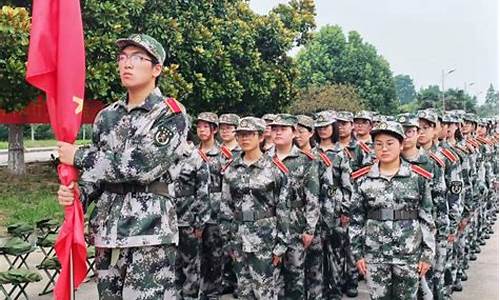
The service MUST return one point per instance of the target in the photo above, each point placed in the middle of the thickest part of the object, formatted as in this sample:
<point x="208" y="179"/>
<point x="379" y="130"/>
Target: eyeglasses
<point x="135" y="59"/>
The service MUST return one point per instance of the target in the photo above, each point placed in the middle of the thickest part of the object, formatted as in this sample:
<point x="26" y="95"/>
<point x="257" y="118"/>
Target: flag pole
<point x="72" y="275"/>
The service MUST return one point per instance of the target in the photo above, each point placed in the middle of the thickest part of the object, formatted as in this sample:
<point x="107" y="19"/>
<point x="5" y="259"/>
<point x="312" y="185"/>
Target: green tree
<point x="334" y="96"/>
<point x="429" y="97"/>
<point x="490" y="106"/>
<point x="331" y="57"/>
<point x="405" y="89"/>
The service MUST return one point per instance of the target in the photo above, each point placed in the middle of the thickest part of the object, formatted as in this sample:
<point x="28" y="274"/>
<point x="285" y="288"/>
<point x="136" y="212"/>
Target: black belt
<point x="159" y="188"/>
<point x="250" y="216"/>
<point x="214" y="189"/>
<point x="385" y="214"/>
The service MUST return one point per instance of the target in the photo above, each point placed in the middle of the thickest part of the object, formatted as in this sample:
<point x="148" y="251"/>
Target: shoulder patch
<point x="224" y="168"/>
<point x="226" y="152"/>
<point x="360" y="172"/>
<point x="203" y="156"/>
<point x="348" y="153"/>
<point x="449" y="155"/>
<point x="482" y="140"/>
<point x="421" y="171"/>
<point x="280" y="165"/>
<point x="325" y="159"/>
<point x="308" y="154"/>
<point x="438" y="160"/>
<point x="173" y="105"/>
<point x="364" y="147"/>
<point x="472" y="143"/>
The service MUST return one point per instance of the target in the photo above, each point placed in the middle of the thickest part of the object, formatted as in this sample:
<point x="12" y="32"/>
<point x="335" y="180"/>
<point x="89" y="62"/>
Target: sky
<point x="422" y="38"/>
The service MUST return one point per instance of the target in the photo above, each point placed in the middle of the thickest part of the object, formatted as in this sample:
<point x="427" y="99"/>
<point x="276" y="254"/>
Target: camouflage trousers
<point x="331" y="271"/>
<point x="392" y="281"/>
<point x="348" y="270"/>
<point x="142" y="273"/>
<point x="292" y="279"/>
<point x="211" y="262"/>
<point x="187" y="264"/>
<point x="435" y="276"/>
<point x="257" y="276"/>
<point x="452" y="255"/>
<point x="314" y="268"/>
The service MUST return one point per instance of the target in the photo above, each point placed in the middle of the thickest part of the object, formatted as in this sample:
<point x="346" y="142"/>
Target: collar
<point x="151" y="100"/>
<point x="404" y="170"/>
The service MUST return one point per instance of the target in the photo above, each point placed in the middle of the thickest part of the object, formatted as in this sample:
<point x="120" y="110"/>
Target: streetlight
<point x="443" y="74"/>
<point x="465" y="91"/>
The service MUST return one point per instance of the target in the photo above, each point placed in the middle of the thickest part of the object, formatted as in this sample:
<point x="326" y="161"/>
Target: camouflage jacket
<point x="136" y="146"/>
<point x="388" y="241"/>
<point x="358" y="153"/>
<point x="258" y="189"/>
<point x="191" y="185"/>
<point x="227" y="154"/>
<point x="438" y="192"/>
<point x="304" y="190"/>
<point x="215" y="163"/>
<point x="335" y="185"/>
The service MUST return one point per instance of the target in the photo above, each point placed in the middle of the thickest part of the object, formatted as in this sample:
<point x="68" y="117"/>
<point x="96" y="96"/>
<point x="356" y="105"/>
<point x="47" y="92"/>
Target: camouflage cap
<point x="390" y="127"/>
<point x="345" y="116"/>
<point x="251" y="124"/>
<point x="268" y="117"/>
<point x="406" y="120"/>
<point x="305" y="121"/>
<point x="428" y="115"/>
<point x="324" y="118"/>
<point x="364" y="115"/>
<point x="209" y="117"/>
<point x="145" y="42"/>
<point x="230" y="119"/>
<point x="284" y="120"/>
<point x="450" y="118"/>
<point x="469" y="117"/>
<point x="482" y="121"/>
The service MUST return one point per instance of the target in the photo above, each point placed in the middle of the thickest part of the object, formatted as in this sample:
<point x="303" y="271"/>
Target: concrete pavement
<point x="31" y="155"/>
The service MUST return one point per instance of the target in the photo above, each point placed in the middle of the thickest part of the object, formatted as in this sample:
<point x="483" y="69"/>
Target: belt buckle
<point x="387" y="214"/>
<point x="247" y="216"/>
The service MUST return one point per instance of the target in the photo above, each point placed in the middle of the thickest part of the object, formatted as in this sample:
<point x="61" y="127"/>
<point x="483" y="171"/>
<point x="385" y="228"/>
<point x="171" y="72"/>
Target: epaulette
<point x="449" y="155"/>
<point x="472" y="143"/>
<point x="421" y="171"/>
<point x="360" y="172"/>
<point x="364" y="147"/>
<point x="173" y="105"/>
<point x="464" y="150"/>
<point x="226" y="152"/>
<point x="224" y="168"/>
<point x="482" y="140"/>
<point x="203" y="156"/>
<point x="438" y="160"/>
<point x="348" y="153"/>
<point x="308" y="154"/>
<point x="280" y="165"/>
<point x="325" y="159"/>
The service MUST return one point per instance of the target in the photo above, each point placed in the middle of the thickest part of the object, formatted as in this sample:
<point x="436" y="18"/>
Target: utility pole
<point x="443" y="75"/>
<point x="465" y="91"/>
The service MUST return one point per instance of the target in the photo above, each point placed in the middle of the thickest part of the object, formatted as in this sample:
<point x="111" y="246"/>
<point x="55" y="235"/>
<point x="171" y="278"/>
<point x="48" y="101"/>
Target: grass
<point x="30" y="197"/>
<point x="40" y="143"/>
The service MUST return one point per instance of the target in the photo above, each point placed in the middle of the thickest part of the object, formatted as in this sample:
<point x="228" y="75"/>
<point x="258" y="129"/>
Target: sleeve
<point x="228" y="227"/>
<point x="89" y="192"/>
<point x="426" y="222"/>
<point x="202" y="204"/>
<point x="144" y="161"/>
<point x="282" y="197"/>
<point x="454" y="198"/>
<point x="312" y="208"/>
<point x="346" y="186"/>
<point x="357" y="224"/>
<point x="440" y="205"/>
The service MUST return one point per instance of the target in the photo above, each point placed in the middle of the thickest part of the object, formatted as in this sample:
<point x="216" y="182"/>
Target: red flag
<point x="56" y="65"/>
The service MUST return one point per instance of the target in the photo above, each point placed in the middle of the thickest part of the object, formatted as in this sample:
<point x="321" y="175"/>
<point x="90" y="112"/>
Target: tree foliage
<point x="432" y="97"/>
<point x="490" y="106"/>
<point x="332" y="57"/>
<point x="15" y="92"/>
<point x="405" y="89"/>
<point x="327" y="97"/>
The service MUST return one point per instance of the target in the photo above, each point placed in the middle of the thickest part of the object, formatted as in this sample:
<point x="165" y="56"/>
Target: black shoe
<point x="352" y="292"/>
<point x="227" y="290"/>
<point x="482" y="243"/>
<point x="473" y="257"/>
<point x="457" y="287"/>
<point x="464" y="277"/>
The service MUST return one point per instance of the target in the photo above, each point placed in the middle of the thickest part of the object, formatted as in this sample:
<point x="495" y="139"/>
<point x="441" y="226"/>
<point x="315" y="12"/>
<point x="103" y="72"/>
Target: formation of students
<point x="283" y="206"/>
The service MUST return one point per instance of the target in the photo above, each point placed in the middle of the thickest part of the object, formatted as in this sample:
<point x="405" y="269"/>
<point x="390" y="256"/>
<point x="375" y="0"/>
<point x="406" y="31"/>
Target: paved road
<point x="31" y="155"/>
<point x="482" y="283"/>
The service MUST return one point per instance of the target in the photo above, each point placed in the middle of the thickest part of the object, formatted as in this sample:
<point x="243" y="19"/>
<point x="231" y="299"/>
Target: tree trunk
<point x="16" y="150"/>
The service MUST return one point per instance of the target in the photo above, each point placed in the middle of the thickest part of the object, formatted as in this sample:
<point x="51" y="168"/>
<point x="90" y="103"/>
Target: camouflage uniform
<point x="335" y="193"/>
<point x="211" y="255"/>
<point x="125" y="171"/>
<point x="392" y="226"/>
<point x="191" y="193"/>
<point x="254" y="219"/>
<point x="304" y="189"/>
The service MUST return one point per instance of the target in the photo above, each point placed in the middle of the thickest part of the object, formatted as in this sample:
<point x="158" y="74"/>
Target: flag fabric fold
<point x="56" y="65"/>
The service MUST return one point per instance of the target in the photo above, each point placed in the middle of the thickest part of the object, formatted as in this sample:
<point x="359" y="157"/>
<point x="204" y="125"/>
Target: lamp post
<point x="443" y="75"/>
<point x="466" y="85"/>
